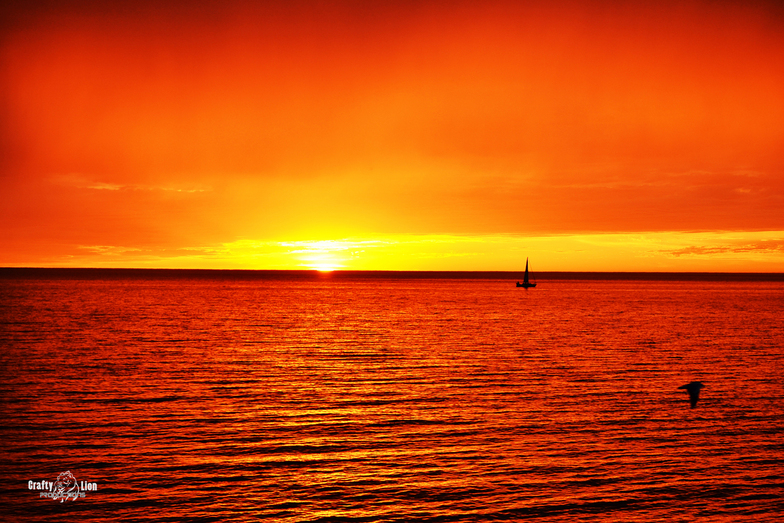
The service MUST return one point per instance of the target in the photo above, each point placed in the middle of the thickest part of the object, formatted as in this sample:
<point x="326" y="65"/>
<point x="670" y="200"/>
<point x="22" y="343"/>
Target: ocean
<point x="305" y="397"/>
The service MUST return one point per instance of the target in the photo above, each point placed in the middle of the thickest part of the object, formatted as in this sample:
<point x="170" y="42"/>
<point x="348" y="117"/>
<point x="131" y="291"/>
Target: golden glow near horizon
<point x="668" y="251"/>
<point x="341" y="135"/>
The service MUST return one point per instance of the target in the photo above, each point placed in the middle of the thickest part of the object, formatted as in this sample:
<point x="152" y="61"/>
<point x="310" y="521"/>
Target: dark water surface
<point x="199" y="399"/>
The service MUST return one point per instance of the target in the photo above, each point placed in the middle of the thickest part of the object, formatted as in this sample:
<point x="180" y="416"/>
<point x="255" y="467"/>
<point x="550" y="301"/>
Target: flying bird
<point x="693" y="389"/>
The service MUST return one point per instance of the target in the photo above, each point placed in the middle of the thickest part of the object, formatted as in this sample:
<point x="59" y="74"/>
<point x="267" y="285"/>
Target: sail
<point x="526" y="283"/>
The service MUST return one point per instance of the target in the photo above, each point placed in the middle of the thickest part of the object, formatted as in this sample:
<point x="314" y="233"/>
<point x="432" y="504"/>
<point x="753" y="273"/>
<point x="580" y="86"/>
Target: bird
<point x="693" y="389"/>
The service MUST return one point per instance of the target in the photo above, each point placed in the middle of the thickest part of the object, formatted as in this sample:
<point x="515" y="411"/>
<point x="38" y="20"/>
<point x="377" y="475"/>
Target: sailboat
<point x="526" y="283"/>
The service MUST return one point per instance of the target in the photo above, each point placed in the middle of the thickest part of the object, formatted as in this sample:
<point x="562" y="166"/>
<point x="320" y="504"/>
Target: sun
<point x="322" y="256"/>
<point x="322" y="263"/>
<point x="325" y="265"/>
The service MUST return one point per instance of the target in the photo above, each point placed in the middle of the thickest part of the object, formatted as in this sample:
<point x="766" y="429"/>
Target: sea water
<point x="389" y="399"/>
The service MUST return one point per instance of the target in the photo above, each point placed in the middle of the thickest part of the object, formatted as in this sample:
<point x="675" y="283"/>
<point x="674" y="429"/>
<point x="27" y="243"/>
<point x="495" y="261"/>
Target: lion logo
<point x="66" y="487"/>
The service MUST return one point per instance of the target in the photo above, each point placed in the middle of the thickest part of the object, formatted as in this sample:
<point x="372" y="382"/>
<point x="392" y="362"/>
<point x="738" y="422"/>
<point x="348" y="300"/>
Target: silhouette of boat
<point x="526" y="283"/>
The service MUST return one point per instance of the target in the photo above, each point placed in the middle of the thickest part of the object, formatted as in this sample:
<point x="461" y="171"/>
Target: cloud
<point x="105" y="186"/>
<point x="108" y="250"/>
<point x="762" y="246"/>
<point x="83" y="182"/>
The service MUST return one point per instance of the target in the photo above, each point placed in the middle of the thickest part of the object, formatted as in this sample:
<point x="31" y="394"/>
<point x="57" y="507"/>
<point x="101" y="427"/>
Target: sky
<point x="393" y="135"/>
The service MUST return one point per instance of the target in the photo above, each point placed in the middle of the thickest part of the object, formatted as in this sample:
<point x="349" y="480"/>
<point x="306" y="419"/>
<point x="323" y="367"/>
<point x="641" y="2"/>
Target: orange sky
<point x="393" y="135"/>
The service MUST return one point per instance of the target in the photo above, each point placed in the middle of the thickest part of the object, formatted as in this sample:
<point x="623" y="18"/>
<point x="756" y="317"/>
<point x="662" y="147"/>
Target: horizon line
<point x="6" y="272"/>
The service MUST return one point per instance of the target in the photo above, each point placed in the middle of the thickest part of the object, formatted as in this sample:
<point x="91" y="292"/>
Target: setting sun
<point x="324" y="256"/>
